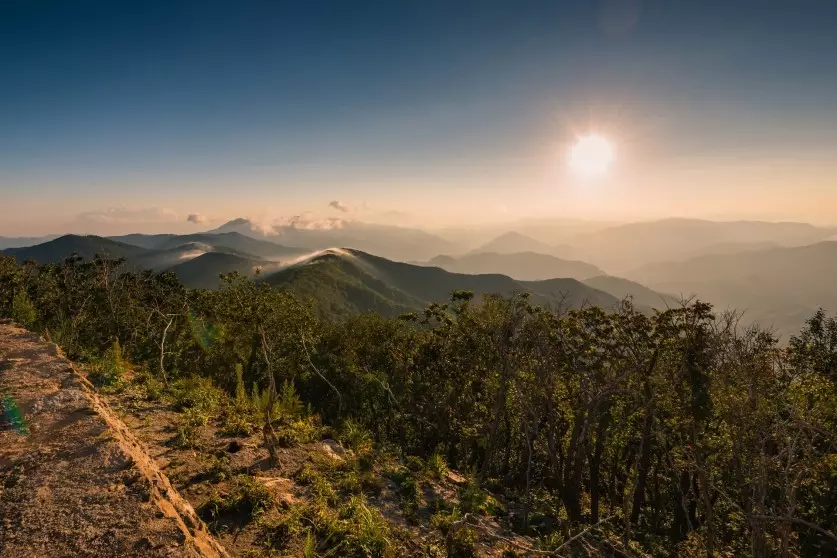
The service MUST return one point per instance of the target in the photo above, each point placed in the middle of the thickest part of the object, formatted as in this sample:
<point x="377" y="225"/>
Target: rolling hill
<point x="389" y="241"/>
<point x="202" y="272"/>
<point x="526" y="266"/>
<point x="226" y="241"/>
<point x="237" y="242"/>
<point x="57" y="250"/>
<point x="342" y="282"/>
<point x="197" y="264"/>
<point x="778" y="286"/>
<point x="514" y="242"/>
<point x="149" y="241"/>
<point x="23" y="241"/>
<point x="620" y="249"/>
<point x="622" y="288"/>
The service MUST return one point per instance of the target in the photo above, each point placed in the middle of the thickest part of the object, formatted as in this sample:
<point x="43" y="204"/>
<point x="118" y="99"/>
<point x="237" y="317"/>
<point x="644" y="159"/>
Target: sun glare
<point x="591" y="155"/>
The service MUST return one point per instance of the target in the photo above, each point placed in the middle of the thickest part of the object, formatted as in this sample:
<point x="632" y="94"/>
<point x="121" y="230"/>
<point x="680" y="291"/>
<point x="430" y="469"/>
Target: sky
<point x="175" y="116"/>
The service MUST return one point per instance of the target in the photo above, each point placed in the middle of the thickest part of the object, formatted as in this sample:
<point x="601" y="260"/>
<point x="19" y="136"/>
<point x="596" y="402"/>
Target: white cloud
<point x="196" y="218"/>
<point x="339" y="206"/>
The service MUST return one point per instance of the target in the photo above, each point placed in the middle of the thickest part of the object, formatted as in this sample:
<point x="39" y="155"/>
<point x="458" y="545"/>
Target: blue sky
<point x="454" y="111"/>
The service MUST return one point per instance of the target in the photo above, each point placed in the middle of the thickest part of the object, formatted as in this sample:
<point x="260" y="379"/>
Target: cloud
<point x="196" y="218"/>
<point x="339" y="206"/>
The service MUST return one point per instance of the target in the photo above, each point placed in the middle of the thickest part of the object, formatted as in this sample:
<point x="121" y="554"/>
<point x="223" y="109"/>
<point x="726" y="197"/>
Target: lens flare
<point x="12" y="416"/>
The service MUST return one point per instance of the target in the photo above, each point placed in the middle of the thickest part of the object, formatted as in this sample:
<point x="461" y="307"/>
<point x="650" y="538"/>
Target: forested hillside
<point x="341" y="282"/>
<point x="586" y="432"/>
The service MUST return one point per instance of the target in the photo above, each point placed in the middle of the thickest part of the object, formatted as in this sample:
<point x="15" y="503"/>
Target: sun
<point x="592" y="155"/>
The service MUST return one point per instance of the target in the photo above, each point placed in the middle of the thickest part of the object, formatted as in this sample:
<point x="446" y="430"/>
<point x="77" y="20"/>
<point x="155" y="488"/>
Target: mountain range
<point x="778" y="273"/>
<point x="527" y="266"/>
<point x="385" y="240"/>
<point x="341" y="282"/>
<point x="777" y="286"/>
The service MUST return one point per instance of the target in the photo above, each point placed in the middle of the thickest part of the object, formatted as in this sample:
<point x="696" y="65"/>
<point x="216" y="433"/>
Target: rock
<point x="334" y="450"/>
<point x="63" y="400"/>
<point x="455" y="478"/>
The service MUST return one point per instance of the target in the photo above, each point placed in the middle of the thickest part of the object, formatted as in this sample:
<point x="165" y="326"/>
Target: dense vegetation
<point x="675" y="433"/>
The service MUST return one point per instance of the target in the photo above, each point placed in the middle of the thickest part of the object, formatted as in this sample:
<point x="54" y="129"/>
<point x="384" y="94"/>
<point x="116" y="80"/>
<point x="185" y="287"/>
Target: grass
<point x="462" y="543"/>
<point x="436" y="466"/>
<point x="196" y="393"/>
<point x="247" y="498"/>
<point x="473" y="499"/>
<point x="354" y="530"/>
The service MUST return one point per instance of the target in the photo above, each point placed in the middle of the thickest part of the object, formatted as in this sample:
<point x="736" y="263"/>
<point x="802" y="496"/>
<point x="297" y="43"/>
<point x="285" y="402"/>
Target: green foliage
<point x="290" y="405"/>
<point x="186" y="436"/>
<point x="297" y="432"/>
<point x="197" y="394"/>
<point x="691" y="430"/>
<point x="245" y="497"/>
<point x="236" y="421"/>
<point x="240" y="390"/>
<point x="259" y="400"/>
<point x="218" y="468"/>
<point x="355" y="530"/>
<point x="110" y="368"/>
<point x="23" y="311"/>
<point x="462" y="543"/>
<point x="355" y="436"/>
<point x="443" y="519"/>
<point x="473" y="499"/>
<point x="437" y="467"/>
<point x="319" y="485"/>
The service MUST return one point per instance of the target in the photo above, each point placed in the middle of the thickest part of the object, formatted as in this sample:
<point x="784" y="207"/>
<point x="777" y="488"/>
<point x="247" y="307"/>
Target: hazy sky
<point x="120" y="115"/>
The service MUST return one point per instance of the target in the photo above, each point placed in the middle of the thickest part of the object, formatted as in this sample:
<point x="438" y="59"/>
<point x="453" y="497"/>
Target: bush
<point x="473" y="499"/>
<point x="108" y="370"/>
<point x="354" y="436"/>
<point x="186" y="436"/>
<point x="197" y="393"/>
<point x="367" y="533"/>
<point x="23" y="311"/>
<point x="236" y="422"/>
<point x="462" y="543"/>
<point x="302" y="431"/>
<point x="442" y="519"/>
<point x="247" y="497"/>
<point x="318" y="484"/>
<point x="436" y="466"/>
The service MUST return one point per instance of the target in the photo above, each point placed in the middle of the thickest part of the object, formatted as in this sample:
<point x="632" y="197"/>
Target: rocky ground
<point x="74" y="481"/>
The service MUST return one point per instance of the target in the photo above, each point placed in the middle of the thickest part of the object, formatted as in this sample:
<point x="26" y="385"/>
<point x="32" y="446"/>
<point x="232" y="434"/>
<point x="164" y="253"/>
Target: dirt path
<point x="73" y="480"/>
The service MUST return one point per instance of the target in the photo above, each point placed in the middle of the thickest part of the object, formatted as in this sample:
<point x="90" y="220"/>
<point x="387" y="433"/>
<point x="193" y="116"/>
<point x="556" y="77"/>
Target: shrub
<point x="23" y="311"/>
<point x="197" y="393"/>
<point x="462" y="543"/>
<point x="442" y="519"/>
<point x="218" y="468"/>
<point x="247" y="497"/>
<point x="320" y="487"/>
<point x="240" y="391"/>
<point x="368" y="533"/>
<point x="436" y="466"/>
<point x="302" y="431"/>
<point x="108" y="370"/>
<point x="290" y="405"/>
<point x="353" y="435"/>
<point x="473" y="499"/>
<point x="186" y="436"/>
<point x="236" y="423"/>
